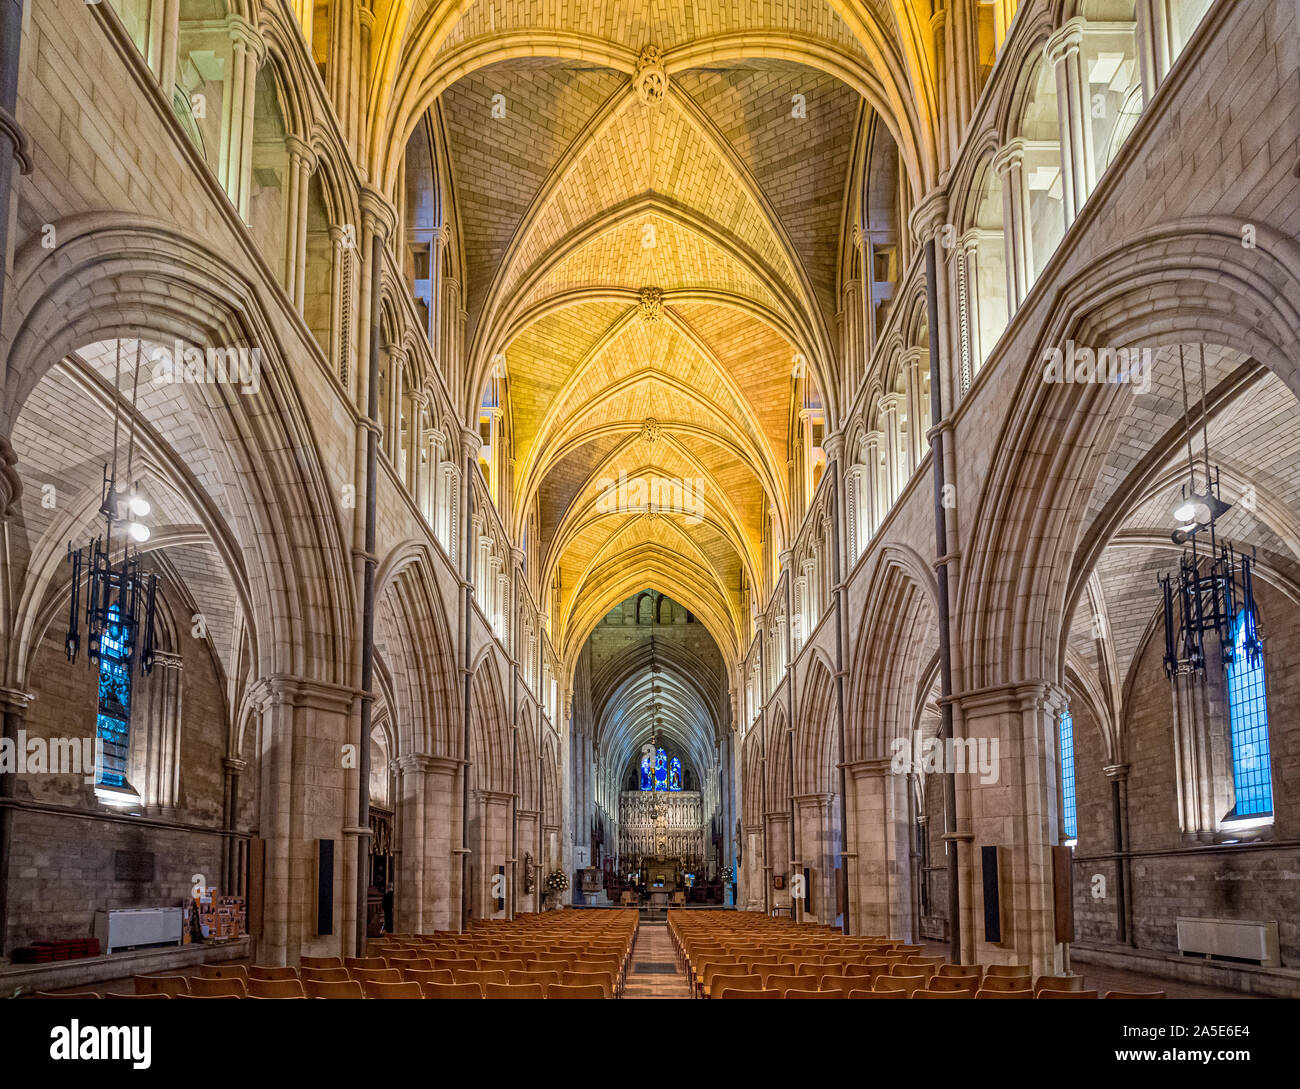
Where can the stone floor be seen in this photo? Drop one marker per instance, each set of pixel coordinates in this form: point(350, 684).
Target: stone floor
point(655, 971)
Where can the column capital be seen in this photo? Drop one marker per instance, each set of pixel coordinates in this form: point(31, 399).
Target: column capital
point(244, 33)
point(14, 699)
point(833, 444)
point(1009, 155)
point(1118, 772)
point(301, 151)
point(286, 689)
point(1067, 38)
point(233, 765)
point(377, 212)
point(11, 484)
point(930, 215)
point(167, 660)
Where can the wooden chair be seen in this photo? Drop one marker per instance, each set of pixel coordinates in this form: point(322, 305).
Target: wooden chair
point(795, 992)
point(223, 971)
point(927, 993)
point(275, 988)
point(785, 982)
point(320, 962)
point(409, 989)
point(211, 997)
point(364, 962)
point(933, 962)
point(452, 990)
point(1135, 994)
point(735, 983)
point(577, 990)
point(1059, 983)
point(217, 988)
point(515, 990)
point(424, 975)
point(1006, 983)
point(588, 979)
point(533, 976)
point(984, 992)
point(482, 978)
point(93, 994)
point(375, 975)
point(456, 964)
point(1048, 993)
point(961, 971)
point(745, 992)
point(333, 988)
point(258, 971)
point(168, 985)
point(877, 994)
point(113, 994)
point(903, 986)
point(324, 975)
point(907, 971)
point(1016, 970)
point(403, 963)
point(951, 984)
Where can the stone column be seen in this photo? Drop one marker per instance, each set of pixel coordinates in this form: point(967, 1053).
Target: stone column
point(892, 405)
point(1078, 167)
point(880, 894)
point(1202, 767)
point(409, 894)
point(164, 35)
point(13, 709)
point(1017, 810)
point(231, 876)
point(247, 52)
point(156, 763)
point(876, 478)
point(820, 849)
point(917, 368)
point(302, 162)
point(1010, 164)
point(304, 770)
point(1155, 45)
point(443, 847)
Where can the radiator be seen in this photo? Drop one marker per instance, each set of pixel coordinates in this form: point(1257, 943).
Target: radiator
point(1230, 939)
point(136, 927)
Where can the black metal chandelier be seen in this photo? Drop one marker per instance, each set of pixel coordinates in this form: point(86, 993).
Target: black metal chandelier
point(120, 598)
point(1214, 583)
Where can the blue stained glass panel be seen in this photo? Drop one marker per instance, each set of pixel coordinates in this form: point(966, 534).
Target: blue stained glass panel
point(661, 770)
point(675, 774)
point(647, 773)
point(1248, 724)
point(113, 721)
point(1069, 799)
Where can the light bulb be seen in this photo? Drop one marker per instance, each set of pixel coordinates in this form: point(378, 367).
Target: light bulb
point(138, 532)
point(139, 505)
point(1185, 513)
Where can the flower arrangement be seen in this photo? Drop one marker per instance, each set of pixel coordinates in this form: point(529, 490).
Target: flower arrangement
point(557, 881)
point(728, 874)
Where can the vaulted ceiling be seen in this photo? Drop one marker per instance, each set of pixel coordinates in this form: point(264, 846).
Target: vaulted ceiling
point(650, 213)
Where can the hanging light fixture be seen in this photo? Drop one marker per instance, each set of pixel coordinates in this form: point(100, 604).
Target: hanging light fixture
point(120, 598)
point(1214, 582)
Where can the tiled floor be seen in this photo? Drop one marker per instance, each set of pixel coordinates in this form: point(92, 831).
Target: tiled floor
point(655, 971)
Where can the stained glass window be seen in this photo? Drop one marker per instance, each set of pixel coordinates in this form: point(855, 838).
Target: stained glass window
point(113, 721)
point(661, 770)
point(1069, 800)
point(675, 774)
point(1248, 723)
point(647, 773)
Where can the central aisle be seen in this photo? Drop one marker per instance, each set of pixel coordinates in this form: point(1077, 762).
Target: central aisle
point(655, 971)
